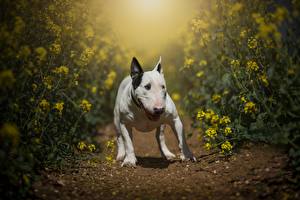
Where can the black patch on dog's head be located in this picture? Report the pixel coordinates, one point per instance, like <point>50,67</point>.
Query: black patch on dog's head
<point>136,73</point>
<point>136,81</point>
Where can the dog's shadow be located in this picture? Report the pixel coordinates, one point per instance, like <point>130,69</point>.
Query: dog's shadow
<point>153,162</point>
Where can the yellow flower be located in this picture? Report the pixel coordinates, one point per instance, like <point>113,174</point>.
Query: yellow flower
<point>109,159</point>
<point>24,52</point>
<point>203,63</point>
<point>188,62</point>
<point>280,14</point>
<point>72,54</point>
<point>243,33</point>
<point>258,18</point>
<point>55,48</point>
<point>226,147</point>
<point>209,113</point>
<point>252,43</point>
<point>200,115</point>
<point>86,56</point>
<point>110,144</point>
<point>216,98</point>
<point>205,37</point>
<point>200,74</point>
<point>263,78</point>
<point>102,55</point>
<point>61,70</point>
<point>211,132</point>
<point>44,105</point>
<point>41,53</point>
<point>176,96</point>
<point>81,145</point>
<point>225,92</point>
<point>54,28</point>
<point>91,147</point>
<point>291,71</point>
<point>94,89</point>
<point>198,24</point>
<point>243,99</point>
<point>9,132</point>
<point>207,146</point>
<point>59,107</point>
<point>252,66</point>
<point>235,8</point>
<point>89,32</point>
<point>48,82</point>
<point>85,105</point>
<point>34,86</point>
<point>250,107</point>
<point>7,78</point>
<point>235,63</point>
<point>225,120</point>
<point>109,81</point>
<point>227,131</point>
<point>19,25</point>
<point>266,30</point>
<point>214,119</point>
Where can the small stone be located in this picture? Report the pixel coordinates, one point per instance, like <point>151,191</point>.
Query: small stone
<point>267,169</point>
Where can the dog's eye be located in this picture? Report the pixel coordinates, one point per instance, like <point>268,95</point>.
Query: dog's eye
<point>148,86</point>
<point>163,87</point>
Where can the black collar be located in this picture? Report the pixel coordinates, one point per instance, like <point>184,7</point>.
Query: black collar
<point>135,101</point>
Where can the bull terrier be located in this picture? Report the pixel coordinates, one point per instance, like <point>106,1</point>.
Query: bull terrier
<point>143,103</point>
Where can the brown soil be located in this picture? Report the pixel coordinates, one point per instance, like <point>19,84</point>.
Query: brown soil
<point>255,172</point>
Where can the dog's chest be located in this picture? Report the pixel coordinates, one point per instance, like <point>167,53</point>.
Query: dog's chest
<point>146,126</point>
<point>143,124</point>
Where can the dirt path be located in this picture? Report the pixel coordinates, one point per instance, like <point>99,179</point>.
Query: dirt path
<point>255,172</point>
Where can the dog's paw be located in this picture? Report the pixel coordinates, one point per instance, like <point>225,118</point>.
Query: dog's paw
<point>129,161</point>
<point>169,156</point>
<point>120,157</point>
<point>188,157</point>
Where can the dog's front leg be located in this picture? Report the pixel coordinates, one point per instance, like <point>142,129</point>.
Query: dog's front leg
<point>177,127</point>
<point>130,159</point>
<point>160,137</point>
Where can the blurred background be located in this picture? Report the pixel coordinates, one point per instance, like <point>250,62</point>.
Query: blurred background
<point>232,67</point>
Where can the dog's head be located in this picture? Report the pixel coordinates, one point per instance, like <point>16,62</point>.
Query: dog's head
<point>149,89</point>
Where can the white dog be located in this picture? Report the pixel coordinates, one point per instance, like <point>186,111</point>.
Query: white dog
<point>144,104</point>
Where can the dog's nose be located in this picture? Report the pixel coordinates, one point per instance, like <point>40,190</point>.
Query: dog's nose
<point>159,110</point>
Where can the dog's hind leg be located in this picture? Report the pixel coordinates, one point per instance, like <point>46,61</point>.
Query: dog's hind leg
<point>121,148</point>
<point>120,141</point>
<point>160,137</point>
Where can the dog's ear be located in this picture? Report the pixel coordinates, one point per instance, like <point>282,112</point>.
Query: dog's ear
<point>158,66</point>
<point>136,68</point>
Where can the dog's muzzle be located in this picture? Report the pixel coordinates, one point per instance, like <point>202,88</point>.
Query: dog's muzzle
<point>152,116</point>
